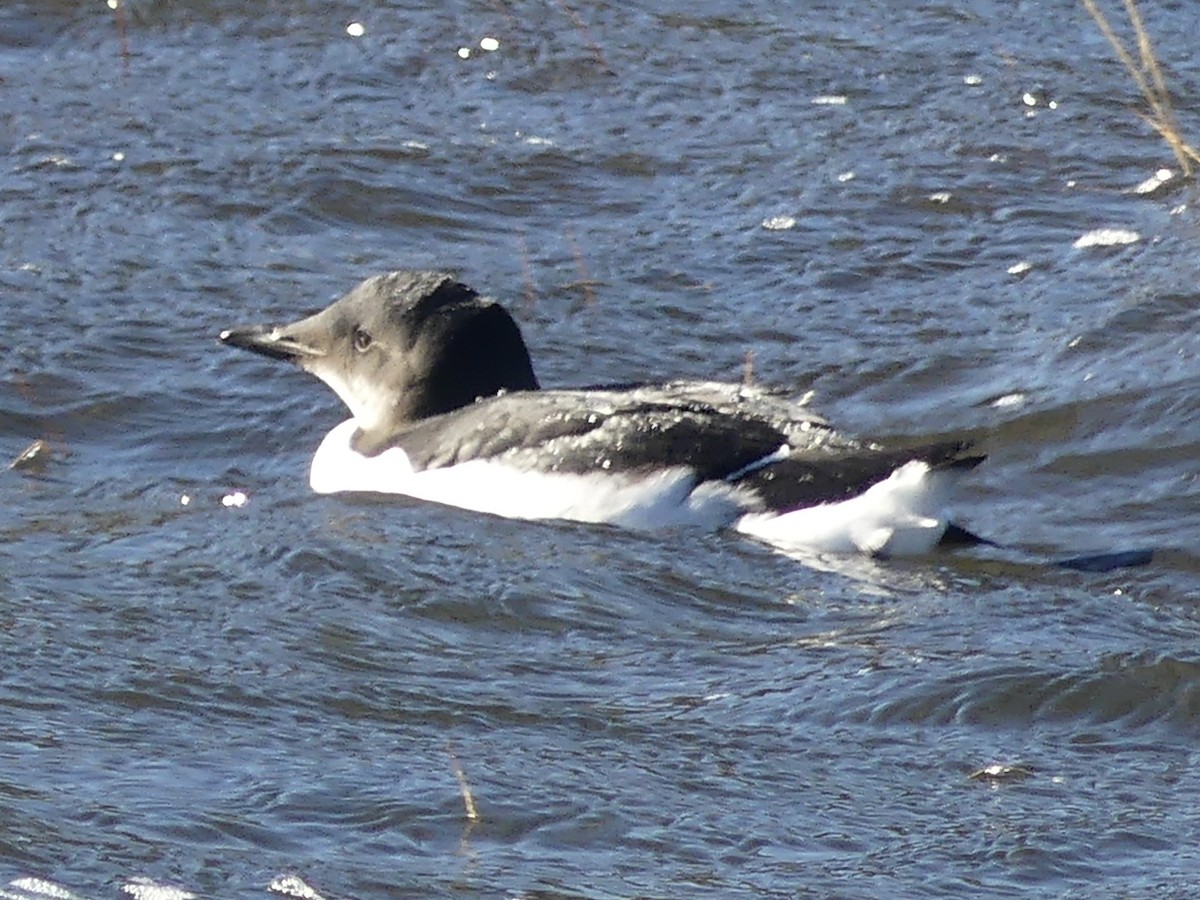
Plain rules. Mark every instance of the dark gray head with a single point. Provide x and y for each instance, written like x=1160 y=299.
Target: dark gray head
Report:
x=402 y=347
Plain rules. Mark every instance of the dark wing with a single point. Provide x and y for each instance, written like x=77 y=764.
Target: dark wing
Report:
x=827 y=475
x=722 y=432
x=586 y=431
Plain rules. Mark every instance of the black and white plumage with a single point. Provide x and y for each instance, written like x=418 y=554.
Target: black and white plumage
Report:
x=446 y=407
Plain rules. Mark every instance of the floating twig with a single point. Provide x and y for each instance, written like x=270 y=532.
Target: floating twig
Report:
x=33 y=458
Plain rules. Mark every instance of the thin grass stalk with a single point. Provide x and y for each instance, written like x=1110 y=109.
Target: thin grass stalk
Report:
x=1149 y=79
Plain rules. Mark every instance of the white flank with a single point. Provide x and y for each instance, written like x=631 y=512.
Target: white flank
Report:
x=666 y=498
x=900 y=516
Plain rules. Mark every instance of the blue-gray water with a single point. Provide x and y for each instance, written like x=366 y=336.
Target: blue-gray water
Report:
x=211 y=697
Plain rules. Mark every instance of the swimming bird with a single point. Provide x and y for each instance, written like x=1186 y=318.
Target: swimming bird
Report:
x=445 y=407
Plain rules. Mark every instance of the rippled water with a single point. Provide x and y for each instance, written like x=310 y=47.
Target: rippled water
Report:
x=209 y=697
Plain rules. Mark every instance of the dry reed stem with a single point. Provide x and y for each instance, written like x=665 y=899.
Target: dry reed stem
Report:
x=580 y=27
x=118 y=8
x=585 y=283
x=1149 y=79
x=513 y=24
x=527 y=272
x=748 y=369
x=461 y=776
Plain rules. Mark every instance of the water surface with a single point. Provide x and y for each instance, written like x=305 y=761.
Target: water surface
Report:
x=211 y=696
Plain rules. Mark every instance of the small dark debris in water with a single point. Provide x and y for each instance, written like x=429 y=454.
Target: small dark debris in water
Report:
x=33 y=458
x=998 y=772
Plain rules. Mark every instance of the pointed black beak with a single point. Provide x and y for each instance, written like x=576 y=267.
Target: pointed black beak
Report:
x=270 y=342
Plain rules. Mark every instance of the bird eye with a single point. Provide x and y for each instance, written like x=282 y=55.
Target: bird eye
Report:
x=362 y=340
